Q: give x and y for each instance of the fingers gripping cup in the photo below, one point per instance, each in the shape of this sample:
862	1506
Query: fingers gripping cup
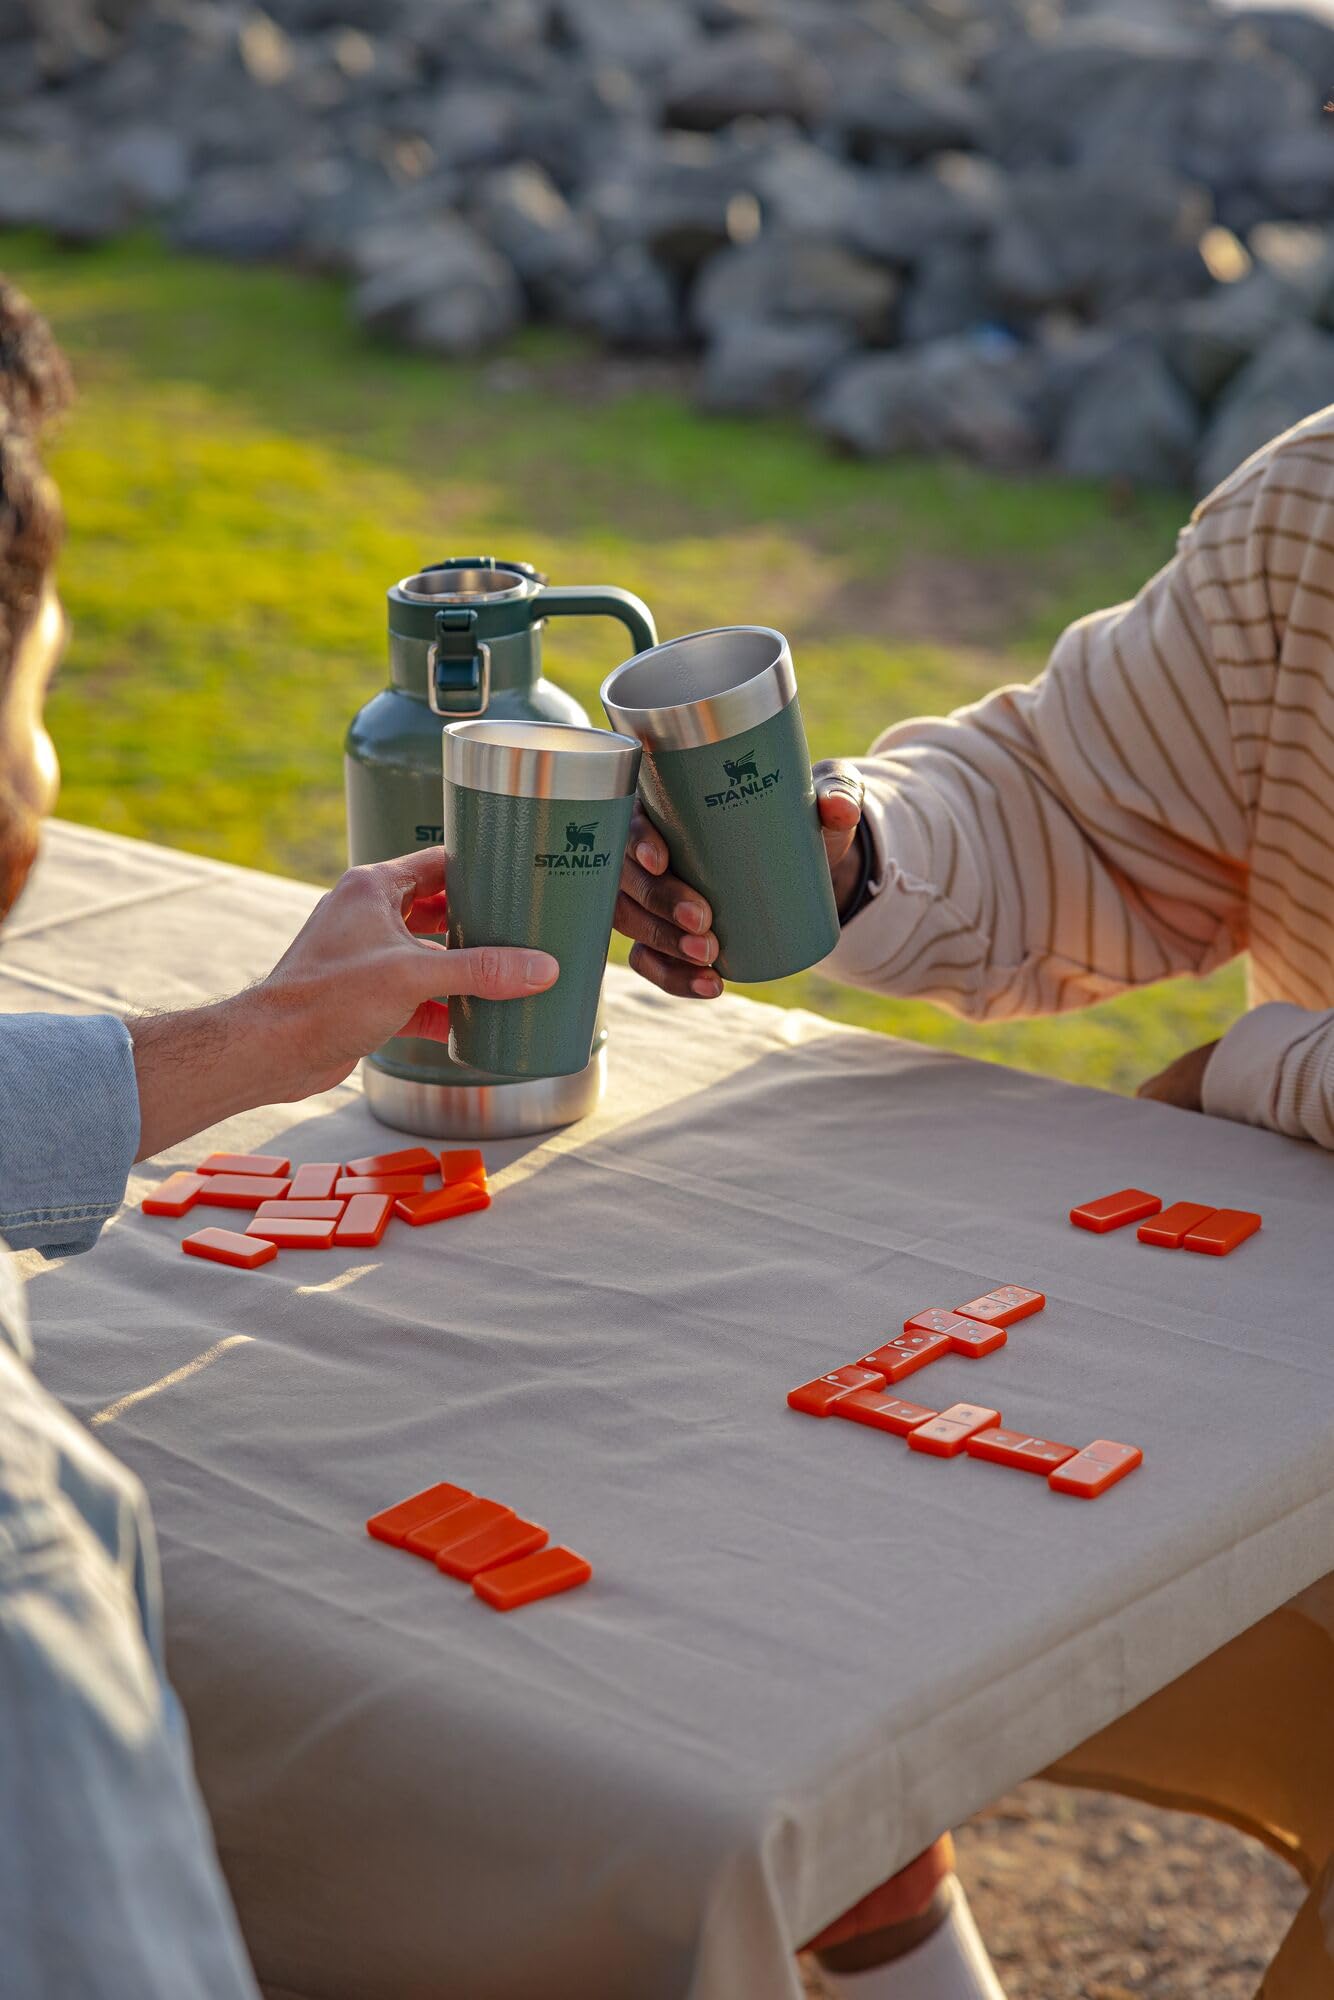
536	819
726	778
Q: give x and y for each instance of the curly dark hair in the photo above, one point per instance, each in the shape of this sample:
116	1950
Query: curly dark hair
34	386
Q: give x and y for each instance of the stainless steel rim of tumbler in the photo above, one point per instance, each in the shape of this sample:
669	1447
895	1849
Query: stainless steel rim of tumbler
463	584
484	1110
540	760
702	688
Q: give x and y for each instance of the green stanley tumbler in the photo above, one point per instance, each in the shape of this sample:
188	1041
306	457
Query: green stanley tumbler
536	821
726	778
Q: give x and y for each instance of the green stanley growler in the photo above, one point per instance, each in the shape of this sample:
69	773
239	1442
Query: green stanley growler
465	640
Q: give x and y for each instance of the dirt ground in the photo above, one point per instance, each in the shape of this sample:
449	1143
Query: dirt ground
1082	1896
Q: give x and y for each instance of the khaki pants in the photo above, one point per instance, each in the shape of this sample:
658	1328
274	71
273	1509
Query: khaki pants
1248	1737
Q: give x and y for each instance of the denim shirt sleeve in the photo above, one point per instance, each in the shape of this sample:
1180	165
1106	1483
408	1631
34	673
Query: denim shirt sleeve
69	1128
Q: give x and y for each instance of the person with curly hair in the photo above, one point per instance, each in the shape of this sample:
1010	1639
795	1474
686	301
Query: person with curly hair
109	1882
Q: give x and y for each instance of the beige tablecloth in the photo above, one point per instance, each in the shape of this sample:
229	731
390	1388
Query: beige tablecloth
806	1650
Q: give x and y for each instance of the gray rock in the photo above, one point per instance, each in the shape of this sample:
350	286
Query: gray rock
635	35
947	294
1291	376
683	198
1206	340
239	212
805	191
1095	241
903	106
1294	174
53	188
1301	256
754	369
796	278
20	74
1132	422
903	217
630	302
1193	106
752	73
1064	361
1045	96
475	126
149	165
954	397
437	286
522	212
1230	111
1303	38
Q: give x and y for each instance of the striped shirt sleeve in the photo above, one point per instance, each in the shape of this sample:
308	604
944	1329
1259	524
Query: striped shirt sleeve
1059	842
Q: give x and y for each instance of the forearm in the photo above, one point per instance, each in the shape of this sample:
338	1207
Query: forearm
202	1065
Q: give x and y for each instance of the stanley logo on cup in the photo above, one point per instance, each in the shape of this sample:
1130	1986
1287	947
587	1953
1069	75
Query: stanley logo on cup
579	849
744	781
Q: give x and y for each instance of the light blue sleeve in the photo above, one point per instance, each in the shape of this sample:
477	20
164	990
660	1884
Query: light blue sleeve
69	1128
109	1881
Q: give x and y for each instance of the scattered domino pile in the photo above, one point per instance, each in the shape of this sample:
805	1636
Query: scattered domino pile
858	1392
323	1206
1186	1225
481	1542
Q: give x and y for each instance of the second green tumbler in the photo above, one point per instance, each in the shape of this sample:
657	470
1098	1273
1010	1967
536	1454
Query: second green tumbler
536	817
726	778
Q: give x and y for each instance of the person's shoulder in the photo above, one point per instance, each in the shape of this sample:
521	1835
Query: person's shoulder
1297	464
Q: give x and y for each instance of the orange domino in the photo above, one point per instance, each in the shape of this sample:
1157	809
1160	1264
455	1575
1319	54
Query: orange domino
174	1195
457	1524
364	1220
395	1524
543	1575
392	1184
1028	1454
965	1336
817	1399
906	1354
1168	1229
243	1163
504	1543
409	1160
1095	1468
309	1211
946	1435
1221	1232
1003	1306
1114	1211
315	1182
462	1165
882	1412
226	1246
294	1232
438	1204
239	1190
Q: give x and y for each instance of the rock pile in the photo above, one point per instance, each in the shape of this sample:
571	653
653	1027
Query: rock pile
1093	233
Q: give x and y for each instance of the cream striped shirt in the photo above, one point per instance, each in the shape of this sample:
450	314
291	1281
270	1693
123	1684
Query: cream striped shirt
1158	800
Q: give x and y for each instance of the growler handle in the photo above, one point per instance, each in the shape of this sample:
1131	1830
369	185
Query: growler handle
600	601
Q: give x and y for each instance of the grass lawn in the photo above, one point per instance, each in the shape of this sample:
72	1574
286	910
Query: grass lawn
245	473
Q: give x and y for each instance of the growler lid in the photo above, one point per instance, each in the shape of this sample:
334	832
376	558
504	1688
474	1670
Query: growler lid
497	591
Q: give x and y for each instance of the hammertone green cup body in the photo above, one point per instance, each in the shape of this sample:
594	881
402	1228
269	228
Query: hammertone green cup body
542	873
736	806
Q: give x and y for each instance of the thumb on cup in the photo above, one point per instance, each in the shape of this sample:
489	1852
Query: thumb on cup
494	972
